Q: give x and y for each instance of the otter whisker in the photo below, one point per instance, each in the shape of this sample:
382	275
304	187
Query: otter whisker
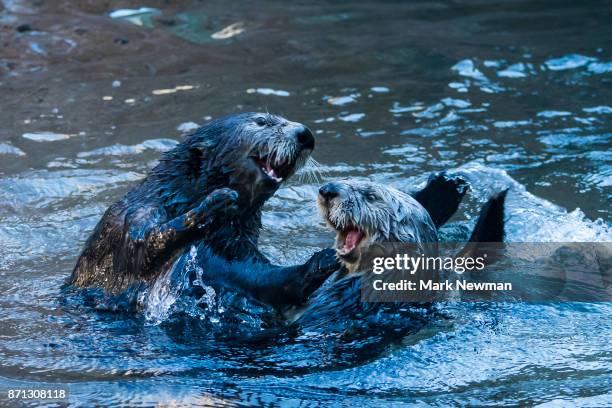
280	151
310	172
304	173
315	169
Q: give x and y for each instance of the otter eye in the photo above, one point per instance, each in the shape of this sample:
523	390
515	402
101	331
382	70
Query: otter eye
371	197
260	121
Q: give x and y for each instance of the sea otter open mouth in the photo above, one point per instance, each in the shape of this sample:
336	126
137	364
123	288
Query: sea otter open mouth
277	173
347	241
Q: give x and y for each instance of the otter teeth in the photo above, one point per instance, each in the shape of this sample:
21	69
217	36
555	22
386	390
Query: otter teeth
271	173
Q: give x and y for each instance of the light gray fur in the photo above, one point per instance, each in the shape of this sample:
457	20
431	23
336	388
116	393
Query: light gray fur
280	147
385	214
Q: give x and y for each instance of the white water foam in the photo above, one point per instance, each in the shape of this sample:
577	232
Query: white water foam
530	218
158	301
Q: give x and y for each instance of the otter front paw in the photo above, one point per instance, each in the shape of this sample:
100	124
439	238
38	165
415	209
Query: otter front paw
221	203
318	268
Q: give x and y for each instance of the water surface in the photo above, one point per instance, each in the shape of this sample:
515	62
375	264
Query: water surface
510	93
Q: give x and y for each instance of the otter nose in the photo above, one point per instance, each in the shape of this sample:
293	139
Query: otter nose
329	191
305	138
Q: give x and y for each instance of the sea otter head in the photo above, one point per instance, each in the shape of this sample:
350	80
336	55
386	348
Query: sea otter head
365	214
251	153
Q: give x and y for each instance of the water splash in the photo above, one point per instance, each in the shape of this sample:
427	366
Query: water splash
165	296
531	218
158	300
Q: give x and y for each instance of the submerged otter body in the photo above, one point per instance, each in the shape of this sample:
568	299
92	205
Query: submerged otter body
207	192
373	220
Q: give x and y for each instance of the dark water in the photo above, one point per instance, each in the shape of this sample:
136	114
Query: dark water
512	93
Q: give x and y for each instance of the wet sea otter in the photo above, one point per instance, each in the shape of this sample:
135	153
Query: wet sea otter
208	190
207	193
371	219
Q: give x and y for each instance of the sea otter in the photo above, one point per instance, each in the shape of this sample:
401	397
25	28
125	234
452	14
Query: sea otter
207	193
208	190
370	220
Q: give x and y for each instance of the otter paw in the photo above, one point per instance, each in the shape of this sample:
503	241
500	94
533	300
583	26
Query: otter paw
221	202
320	267
326	261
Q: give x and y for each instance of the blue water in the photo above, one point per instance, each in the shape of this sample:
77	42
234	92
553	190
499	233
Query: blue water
512	94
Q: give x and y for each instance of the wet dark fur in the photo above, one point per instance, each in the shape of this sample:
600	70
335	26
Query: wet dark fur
441	196
204	192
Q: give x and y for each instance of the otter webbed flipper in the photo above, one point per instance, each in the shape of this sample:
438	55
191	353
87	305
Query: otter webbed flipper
441	196
490	224
489	229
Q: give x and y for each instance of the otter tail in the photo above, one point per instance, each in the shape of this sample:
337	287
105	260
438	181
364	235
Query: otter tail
489	228
441	196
